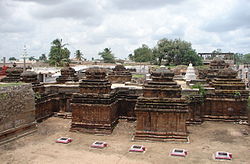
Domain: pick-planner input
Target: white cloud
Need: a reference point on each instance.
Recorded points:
(92, 25)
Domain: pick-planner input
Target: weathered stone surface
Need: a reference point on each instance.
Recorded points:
(94, 109)
(127, 98)
(229, 100)
(161, 112)
(17, 111)
(13, 74)
(29, 77)
(215, 66)
(119, 75)
(52, 99)
(67, 75)
(195, 105)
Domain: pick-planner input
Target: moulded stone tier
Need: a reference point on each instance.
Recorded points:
(162, 85)
(229, 100)
(94, 109)
(215, 66)
(218, 63)
(29, 77)
(161, 112)
(13, 74)
(67, 74)
(119, 75)
(95, 82)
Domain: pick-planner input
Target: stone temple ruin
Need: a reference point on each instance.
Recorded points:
(161, 108)
(67, 75)
(94, 109)
(214, 67)
(13, 74)
(17, 112)
(161, 112)
(119, 75)
(229, 99)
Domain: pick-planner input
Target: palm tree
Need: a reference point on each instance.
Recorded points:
(78, 55)
(58, 51)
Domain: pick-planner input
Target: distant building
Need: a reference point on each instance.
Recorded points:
(244, 73)
(208, 57)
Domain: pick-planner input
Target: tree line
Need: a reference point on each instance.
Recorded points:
(165, 52)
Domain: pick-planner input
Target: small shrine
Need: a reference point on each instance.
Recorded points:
(119, 75)
(13, 74)
(94, 109)
(161, 112)
(67, 75)
(29, 77)
(229, 100)
(215, 66)
(190, 73)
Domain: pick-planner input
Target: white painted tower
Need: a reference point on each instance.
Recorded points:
(190, 73)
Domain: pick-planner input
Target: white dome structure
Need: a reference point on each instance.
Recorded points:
(190, 73)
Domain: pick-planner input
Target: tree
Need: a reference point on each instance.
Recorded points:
(107, 55)
(175, 52)
(131, 57)
(238, 58)
(246, 58)
(12, 59)
(191, 57)
(217, 51)
(142, 54)
(214, 53)
(43, 58)
(32, 58)
(78, 55)
(59, 54)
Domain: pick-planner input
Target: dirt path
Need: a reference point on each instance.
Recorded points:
(205, 139)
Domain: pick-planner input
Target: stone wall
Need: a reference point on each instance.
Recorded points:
(17, 111)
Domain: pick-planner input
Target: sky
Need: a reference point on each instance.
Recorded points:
(122, 25)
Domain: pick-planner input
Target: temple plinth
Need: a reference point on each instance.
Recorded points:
(67, 75)
(161, 112)
(94, 109)
(119, 75)
(229, 100)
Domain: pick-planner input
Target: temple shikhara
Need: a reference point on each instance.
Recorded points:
(67, 75)
(229, 99)
(119, 75)
(161, 112)
(94, 109)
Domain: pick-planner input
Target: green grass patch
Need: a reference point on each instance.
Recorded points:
(10, 84)
(202, 67)
(138, 76)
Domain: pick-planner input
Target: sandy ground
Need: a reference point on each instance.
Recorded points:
(205, 139)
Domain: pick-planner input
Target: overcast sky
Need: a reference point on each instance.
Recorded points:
(122, 25)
